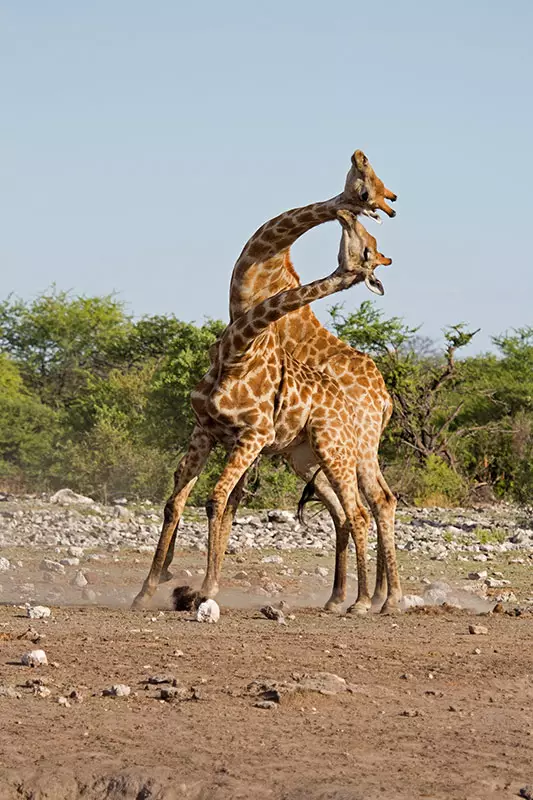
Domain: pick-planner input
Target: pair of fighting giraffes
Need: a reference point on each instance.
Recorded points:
(279, 382)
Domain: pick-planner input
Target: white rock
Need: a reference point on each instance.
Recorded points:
(70, 562)
(280, 515)
(67, 497)
(411, 601)
(47, 565)
(208, 611)
(4, 564)
(495, 583)
(79, 580)
(38, 612)
(34, 658)
(76, 552)
(322, 571)
(478, 576)
(118, 690)
(272, 560)
(478, 630)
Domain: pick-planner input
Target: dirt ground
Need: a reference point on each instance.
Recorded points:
(431, 711)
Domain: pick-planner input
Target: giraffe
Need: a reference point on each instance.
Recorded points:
(257, 397)
(265, 268)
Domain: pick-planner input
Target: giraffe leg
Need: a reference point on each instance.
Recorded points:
(230, 484)
(304, 463)
(335, 446)
(185, 477)
(382, 502)
(227, 521)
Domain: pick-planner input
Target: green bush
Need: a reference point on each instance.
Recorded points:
(437, 484)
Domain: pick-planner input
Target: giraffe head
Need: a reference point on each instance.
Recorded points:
(364, 189)
(358, 253)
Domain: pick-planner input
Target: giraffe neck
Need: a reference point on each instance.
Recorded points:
(249, 326)
(264, 267)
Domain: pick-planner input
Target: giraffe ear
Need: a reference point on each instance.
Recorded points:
(374, 284)
(359, 160)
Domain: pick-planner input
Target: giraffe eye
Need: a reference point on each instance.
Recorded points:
(364, 195)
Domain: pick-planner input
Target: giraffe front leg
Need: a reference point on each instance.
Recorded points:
(184, 479)
(229, 485)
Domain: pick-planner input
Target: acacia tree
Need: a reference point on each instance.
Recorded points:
(419, 378)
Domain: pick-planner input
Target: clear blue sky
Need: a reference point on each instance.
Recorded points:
(143, 143)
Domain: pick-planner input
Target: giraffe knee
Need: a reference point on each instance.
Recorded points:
(211, 509)
(168, 513)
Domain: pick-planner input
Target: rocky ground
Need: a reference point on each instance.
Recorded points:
(435, 703)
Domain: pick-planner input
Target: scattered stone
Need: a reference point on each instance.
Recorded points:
(172, 693)
(322, 571)
(89, 595)
(476, 651)
(34, 658)
(411, 712)
(275, 614)
(9, 691)
(38, 612)
(267, 704)
(79, 580)
(280, 515)
(478, 576)
(118, 690)
(70, 562)
(156, 680)
(272, 560)
(41, 691)
(208, 611)
(47, 565)
(240, 576)
(76, 696)
(63, 701)
(76, 552)
(66, 497)
(495, 583)
(506, 597)
(4, 564)
(478, 630)
(526, 792)
(326, 683)
(411, 601)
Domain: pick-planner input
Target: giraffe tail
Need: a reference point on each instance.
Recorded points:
(308, 494)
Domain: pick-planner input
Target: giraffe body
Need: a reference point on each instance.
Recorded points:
(264, 269)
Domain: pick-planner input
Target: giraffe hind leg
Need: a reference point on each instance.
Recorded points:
(304, 462)
(335, 446)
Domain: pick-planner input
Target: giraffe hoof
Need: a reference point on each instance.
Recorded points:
(139, 602)
(166, 576)
(391, 607)
(333, 605)
(360, 609)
